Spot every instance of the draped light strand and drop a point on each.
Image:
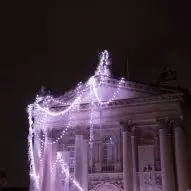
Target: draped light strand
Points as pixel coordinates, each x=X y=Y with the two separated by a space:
x=66 y=171
x=42 y=107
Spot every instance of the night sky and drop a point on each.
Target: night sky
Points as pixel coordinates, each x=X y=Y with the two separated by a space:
x=56 y=44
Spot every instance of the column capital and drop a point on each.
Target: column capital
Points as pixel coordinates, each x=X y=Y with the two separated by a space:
x=166 y=124
x=127 y=126
x=178 y=123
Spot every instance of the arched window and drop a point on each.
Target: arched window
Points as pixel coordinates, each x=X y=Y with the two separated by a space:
x=108 y=152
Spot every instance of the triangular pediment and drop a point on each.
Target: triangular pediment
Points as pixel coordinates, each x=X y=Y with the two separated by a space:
x=111 y=89
x=103 y=88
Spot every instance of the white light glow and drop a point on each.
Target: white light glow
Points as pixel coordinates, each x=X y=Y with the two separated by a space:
x=42 y=108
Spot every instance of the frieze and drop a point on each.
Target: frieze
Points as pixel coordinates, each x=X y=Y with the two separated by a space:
x=105 y=176
x=114 y=82
x=97 y=179
x=146 y=178
x=94 y=186
x=126 y=102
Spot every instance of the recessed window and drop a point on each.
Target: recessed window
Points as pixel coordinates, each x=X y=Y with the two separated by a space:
x=108 y=152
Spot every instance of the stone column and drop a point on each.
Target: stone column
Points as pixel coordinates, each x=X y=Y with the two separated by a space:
x=53 y=148
x=167 y=171
x=133 y=142
x=36 y=149
x=47 y=183
x=66 y=155
x=85 y=164
x=62 y=177
x=181 y=159
x=36 y=146
x=127 y=160
x=42 y=158
x=78 y=158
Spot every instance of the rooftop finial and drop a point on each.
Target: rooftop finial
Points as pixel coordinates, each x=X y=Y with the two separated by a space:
x=168 y=77
x=104 y=63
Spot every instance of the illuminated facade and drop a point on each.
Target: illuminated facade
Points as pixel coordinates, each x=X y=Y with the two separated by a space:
x=108 y=135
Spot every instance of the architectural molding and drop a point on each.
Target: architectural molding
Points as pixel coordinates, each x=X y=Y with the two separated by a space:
x=99 y=179
x=126 y=102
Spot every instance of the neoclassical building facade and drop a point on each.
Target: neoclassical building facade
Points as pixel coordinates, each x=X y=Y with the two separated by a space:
x=110 y=135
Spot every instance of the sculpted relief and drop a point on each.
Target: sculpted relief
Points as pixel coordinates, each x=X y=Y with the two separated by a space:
x=107 y=187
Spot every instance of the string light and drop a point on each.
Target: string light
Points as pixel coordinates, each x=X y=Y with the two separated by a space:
x=91 y=119
x=102 y=68
x=42 y=109
x=33 y=173
x=65 y=169
x=63 y=132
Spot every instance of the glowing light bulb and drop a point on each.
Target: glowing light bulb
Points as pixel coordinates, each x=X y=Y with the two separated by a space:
x=41 y=109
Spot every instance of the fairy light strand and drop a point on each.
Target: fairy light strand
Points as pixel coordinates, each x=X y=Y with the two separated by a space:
x=104 y=72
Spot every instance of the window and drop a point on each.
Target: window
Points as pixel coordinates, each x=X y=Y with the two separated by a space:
x=108 y=152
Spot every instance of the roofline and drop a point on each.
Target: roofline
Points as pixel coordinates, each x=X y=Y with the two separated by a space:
x=128 y=84
x=131 y=101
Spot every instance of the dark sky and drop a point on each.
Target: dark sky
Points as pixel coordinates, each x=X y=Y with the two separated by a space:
x=56 y=44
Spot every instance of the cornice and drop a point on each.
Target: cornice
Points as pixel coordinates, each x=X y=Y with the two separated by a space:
x=129 y=102
x=112 y=82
